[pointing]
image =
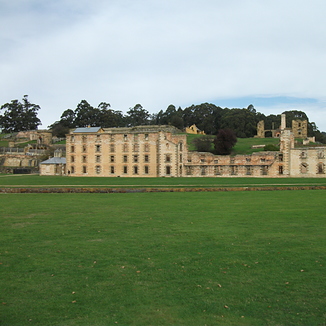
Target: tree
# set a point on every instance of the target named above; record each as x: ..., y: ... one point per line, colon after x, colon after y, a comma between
x: 242, y: 121
x: 19, y: 116
x: 137, y: 116
x: 68, y: 118
x: 205, y: 116
x: 86, y: 115
x: 224, y: 141
x: 58, y: 129
x: 110, y: 118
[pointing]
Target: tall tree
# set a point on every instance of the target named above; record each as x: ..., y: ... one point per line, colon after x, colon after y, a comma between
x: 242, y: 121
x: 224, y: 141
x: 110, y: 118
x: 86, y: 115
x: 206, y: 116
x: 19, y: 116
x: 67, y: 118
x: 137, y: 116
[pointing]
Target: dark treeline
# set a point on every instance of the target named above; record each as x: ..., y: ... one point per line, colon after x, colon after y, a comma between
x: 207, y: 117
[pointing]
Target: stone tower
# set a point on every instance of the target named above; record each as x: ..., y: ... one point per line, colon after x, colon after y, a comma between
x: 261, y: 129
x: 283, y: 121
x: 300, y: 128
x: 286, y: 143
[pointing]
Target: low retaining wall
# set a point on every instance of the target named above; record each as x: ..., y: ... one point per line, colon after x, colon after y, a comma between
x: 78, y: 190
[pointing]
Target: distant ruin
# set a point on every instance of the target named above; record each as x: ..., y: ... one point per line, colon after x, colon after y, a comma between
x: 25, y: 151
x: 193, y: 129
x: 299, y: 129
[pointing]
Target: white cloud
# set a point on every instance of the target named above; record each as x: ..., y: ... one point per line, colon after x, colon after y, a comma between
x: 160, y: 52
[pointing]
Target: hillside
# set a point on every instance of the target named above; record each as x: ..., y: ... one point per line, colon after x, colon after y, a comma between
x: 243, y: 145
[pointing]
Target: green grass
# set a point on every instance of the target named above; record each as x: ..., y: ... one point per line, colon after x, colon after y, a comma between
x: 241, y: 258
x: 191, y: 138
x: 61, y: 142
x: 243, y: 145
x: 24, y: 144
x: 4, y: 143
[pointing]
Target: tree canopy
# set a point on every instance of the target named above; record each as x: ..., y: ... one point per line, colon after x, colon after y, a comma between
x: 19, y: 116
x: 224, y: 141
x: 206, y: 116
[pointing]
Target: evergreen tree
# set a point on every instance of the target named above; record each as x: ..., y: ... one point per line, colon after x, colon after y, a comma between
x: 224, y: 141
x: 19, y: 116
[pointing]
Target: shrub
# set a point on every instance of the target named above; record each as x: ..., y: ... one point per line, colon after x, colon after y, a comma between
x: 203, y: 143
x: 271, y: 147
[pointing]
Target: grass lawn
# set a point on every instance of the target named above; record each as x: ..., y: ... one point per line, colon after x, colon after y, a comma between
x: 243, y: 145
x: 227, y: 258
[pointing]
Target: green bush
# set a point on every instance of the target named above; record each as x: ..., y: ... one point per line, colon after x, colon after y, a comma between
x: 271, y: 147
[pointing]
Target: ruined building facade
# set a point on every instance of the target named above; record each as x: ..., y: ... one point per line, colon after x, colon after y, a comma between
x: 299, y: 129
x: 161, y: 151
x: 144, y: 151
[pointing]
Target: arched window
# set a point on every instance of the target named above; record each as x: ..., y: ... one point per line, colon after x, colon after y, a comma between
x: 320, y: 168
x: 304, y: 168
x: 280, y: 169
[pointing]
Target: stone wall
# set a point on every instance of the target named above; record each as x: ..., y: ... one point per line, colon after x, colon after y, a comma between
x: 162, y: 153
x: 201, y: 164
x: 19, y: 160
x: 308, y: 162
x: 300, y: 129
x: 136, y: 152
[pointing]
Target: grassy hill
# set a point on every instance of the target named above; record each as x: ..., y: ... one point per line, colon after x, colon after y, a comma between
x: 243, y: 145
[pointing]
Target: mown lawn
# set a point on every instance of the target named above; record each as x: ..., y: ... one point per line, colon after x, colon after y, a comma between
x: 240, y: 258
x: 243, y: 145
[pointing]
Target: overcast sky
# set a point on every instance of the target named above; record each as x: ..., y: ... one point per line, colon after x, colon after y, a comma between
x: 269, y: 53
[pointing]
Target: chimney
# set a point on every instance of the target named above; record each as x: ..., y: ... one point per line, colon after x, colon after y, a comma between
x: 283, y: 121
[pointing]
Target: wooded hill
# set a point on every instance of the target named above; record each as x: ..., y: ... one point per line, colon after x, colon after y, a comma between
x: 207, y: 117
x: 18, y: 116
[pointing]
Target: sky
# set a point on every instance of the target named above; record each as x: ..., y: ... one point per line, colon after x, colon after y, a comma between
x: 271, y: 54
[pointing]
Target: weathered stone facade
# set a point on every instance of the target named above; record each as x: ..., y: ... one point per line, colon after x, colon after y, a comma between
x: 199, y: 164
x: 145, y: 151
x: 161, y: 151
x: 41, y: 136
x: 299, y: 128
x: 14, y: 157
x: 55, y: 165
x: 194, y: 130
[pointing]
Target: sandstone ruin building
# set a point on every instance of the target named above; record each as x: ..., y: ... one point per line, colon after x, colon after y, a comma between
x: 161, y: 151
